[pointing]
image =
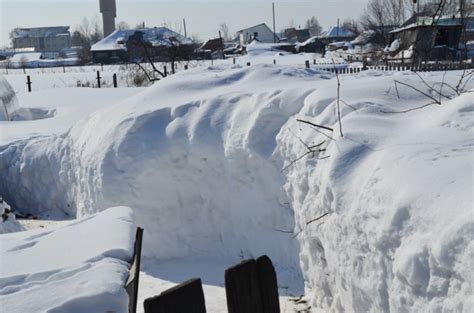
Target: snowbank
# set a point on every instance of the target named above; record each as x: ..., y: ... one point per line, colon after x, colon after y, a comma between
x: 8, y: 101
x: 80, y: 267
x: 398, y: 191
x: 199, y: 157
x: 8, y: 222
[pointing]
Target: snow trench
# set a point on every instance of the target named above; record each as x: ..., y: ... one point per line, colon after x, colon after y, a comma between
x: 199, y: 157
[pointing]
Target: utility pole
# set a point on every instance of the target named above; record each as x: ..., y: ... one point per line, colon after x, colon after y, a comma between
x: 184, y: 25
x: 337, y: 28
x: 274, y: 34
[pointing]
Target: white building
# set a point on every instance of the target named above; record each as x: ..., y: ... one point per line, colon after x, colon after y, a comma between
x: 43, y: 39
x: 261, y: 32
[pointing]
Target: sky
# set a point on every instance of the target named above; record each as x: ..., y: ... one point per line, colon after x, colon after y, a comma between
x: 202, y: 17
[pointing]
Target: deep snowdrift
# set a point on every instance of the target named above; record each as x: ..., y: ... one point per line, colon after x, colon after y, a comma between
x: 199, y: 157
x: 79, y: 267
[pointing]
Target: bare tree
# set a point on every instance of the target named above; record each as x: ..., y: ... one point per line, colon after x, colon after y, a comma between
x: 13, y: 33
x: 352, y: 25
x: 313, y: 25
x: 122, y: 25
x: 224, y: 29
x: 379, y: 13
x: 23, y: 62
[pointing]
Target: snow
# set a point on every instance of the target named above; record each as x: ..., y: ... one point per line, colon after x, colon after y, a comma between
x: 199, y: 155
x: 79, y: 267
x: 25, y: 57
x: 8, y: 222
x: 337, y: 31
x: 8, y: 101
x: 158, y: 36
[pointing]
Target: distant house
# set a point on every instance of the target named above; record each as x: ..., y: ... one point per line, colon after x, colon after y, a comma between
x: 336, y: 34
x: 313, y: 44
x: 260, y: 32
x: 160, y: 43
x: 424, y: 40
x: 296, y: 35
x: 43, y: 39
x: 213, y: 45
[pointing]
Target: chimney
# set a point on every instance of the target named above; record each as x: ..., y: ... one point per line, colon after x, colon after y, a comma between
x: 108, y: 10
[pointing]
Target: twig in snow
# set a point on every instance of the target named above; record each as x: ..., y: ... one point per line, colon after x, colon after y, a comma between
x: 315, y: 125
x: 317, y: 218
x: 409, y: 110
x: 338, y: 98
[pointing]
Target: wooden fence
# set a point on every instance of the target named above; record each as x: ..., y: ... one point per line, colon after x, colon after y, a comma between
x: 251, y: 287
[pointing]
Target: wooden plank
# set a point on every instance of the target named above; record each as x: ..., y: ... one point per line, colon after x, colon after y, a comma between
x: 187, y: 297
x: 242, y: 288
x: 131, y: 286
x: 267, y: 279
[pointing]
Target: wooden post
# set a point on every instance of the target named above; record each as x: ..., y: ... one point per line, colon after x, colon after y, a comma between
x: 185, y: 66
x: 242, y: 288
x: 267, y: 279
x: 102, y: 67
x: 64, y: 68
x: 165, y: 71
x: 233, y: 60
x: 115, y: 80
x: 28, y: 82
x: 307, y: 63
x: 314, y: 61
x: 248, y: 63
x: 98, y: 79
x: 274, y: 61
x: 184, y: 298
x: 131, y: 286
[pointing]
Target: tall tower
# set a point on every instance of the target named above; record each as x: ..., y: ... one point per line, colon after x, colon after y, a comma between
x: 108, y: 10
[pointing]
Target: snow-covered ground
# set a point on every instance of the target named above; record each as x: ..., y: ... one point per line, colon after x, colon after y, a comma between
x: 199, y: 158
x: 78, y: 267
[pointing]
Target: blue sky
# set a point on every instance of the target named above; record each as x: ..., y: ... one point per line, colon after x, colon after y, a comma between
x: 202, y: 17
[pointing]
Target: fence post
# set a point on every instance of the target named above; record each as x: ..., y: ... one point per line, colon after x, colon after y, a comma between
x: 115, y: 80
x: 98, y: 79
x: 307, y: 63
x: 102, y: 67
x: 248, y: 63
x: 28, y: 82
x: 242, y: 288
x: 186, y: 297
x: 185, y: 66
x: 131, y: 286
x: 165, y: 70
x: 274, y: 61
x: 233, y: 60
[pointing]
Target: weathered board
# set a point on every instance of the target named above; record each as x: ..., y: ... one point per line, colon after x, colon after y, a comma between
x: 187, y: 297
x: 243, y: 289
x: 267, y: 279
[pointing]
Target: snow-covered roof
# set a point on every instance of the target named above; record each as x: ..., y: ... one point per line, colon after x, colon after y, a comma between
x: 364, y: 37
x: 337, y: 31
x: 157, y: 36
x: 309, y: 40
x: 41, y: 31
x: 247, y: 28
x: 27, y: 57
